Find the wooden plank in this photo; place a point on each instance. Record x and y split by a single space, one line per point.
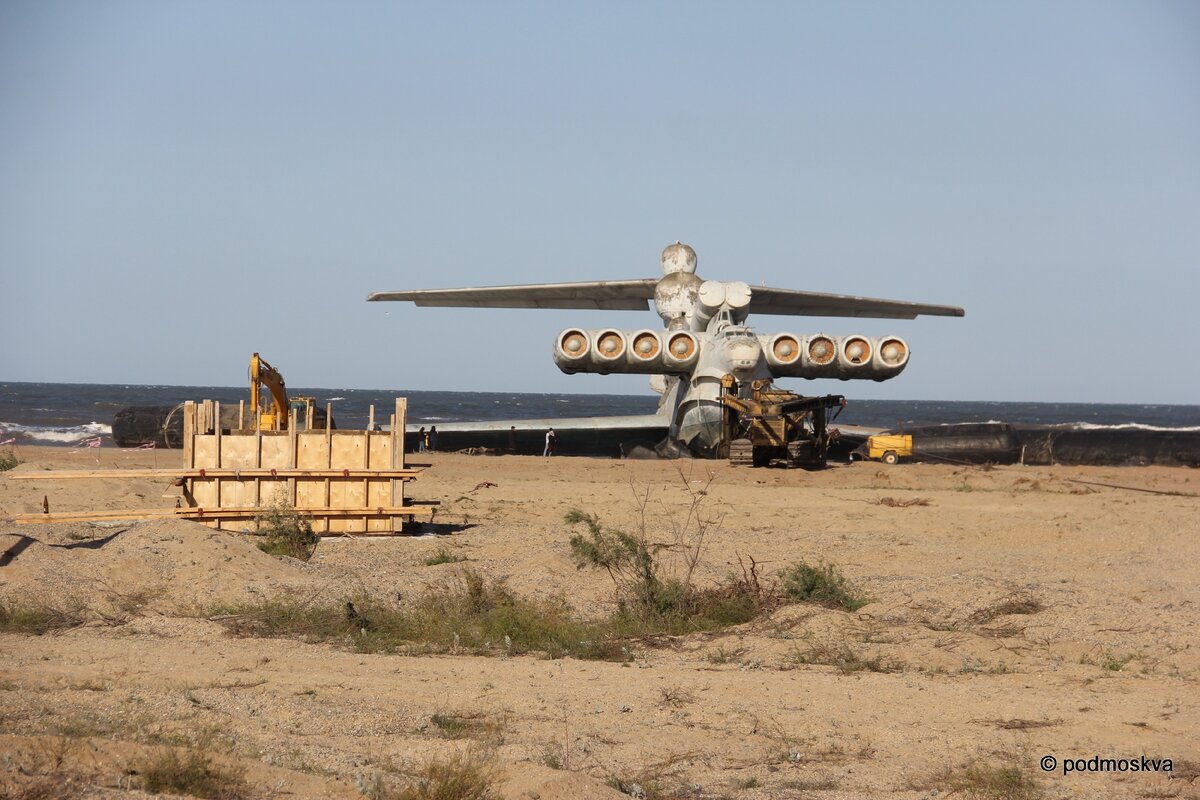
196 514
217 457
328 456
189 430
399 423
409 474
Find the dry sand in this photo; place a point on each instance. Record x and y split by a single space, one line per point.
1109 667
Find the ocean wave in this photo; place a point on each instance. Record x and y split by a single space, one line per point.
62 435
331 399
1123 426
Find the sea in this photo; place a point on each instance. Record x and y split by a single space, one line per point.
71 414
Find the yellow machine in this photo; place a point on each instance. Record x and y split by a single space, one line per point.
889 448
765 424
273 415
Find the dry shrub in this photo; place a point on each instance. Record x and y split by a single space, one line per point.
464 776
656 598
192 773
893 502
286 532
41 617
1018 602
8 461
829 651
1002 778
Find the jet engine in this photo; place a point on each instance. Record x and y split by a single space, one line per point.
845 357
639 352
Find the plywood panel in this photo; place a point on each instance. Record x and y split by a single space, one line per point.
312 452
379 493
348 451
238 452
237 493
204 449
275 451
381 451
311 494
346 493
273 493
205 493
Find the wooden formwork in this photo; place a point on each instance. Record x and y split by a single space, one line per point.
346 482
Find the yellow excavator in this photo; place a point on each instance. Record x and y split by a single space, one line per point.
273 414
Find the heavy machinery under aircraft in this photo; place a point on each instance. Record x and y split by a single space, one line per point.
705 346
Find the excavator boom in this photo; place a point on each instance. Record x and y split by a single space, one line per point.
262 374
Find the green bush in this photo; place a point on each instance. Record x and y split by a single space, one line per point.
8 461
822 584
444 556
285 532
649 603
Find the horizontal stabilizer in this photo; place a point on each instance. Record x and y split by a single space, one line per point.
630 295
765 300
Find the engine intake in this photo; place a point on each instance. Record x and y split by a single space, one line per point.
844 357
610 350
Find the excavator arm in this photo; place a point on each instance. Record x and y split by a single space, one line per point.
263 374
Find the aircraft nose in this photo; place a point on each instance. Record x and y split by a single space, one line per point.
744 354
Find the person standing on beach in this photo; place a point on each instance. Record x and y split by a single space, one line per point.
432 438
422 438
512 440
550 437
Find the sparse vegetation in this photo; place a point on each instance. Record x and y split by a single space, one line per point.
652 599
894 502
720 655
473 614
1115 663
192 774
444 556
1003 780
8 461
469 614
41 618
1020 602
637 788
822 584
838 653
466 776
468 726
286 532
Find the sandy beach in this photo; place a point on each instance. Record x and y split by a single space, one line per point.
1014 613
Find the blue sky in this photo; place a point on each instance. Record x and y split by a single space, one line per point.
182 184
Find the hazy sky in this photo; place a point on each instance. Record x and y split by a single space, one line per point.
182 184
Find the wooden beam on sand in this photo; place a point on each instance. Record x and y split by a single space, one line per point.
409 474
423 511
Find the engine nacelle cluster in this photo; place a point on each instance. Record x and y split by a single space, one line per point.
846 357
610 350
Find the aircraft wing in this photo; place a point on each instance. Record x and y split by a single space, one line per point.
765 300
631 295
